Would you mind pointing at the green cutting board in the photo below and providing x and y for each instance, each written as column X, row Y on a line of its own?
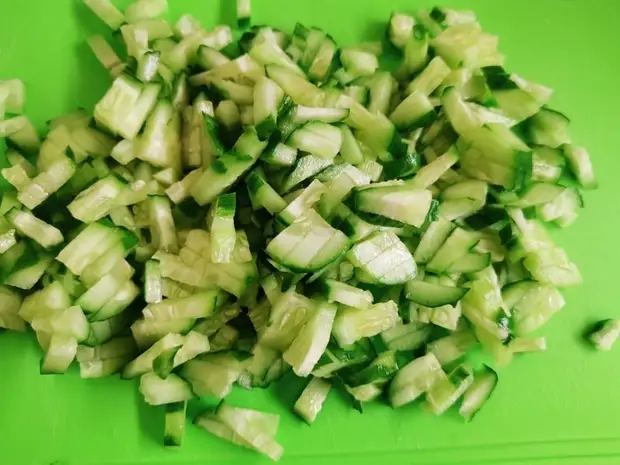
column 557, row 407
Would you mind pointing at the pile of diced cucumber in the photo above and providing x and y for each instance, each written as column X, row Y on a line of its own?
column 244, row 204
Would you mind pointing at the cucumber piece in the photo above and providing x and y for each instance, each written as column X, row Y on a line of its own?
column 446, row 391
column 268, row 101
column 124, row 108
column 158, row 391
column 353, row 324
column 10, row 303
column 406, row 336
column 452, row 347
column 470, row 263
column 102, row 368
column 345, row 294
column 29, row 225
column 414, row 379
column 116, row 348
column 548, row 164
column 431, row 173
column 304, row 168
column 158, row 144
column 433, row 295
column 414, row 112
column 213, row 374
column 288, row 315
column 174, row 426
column 148, row 332
column 581, row 165
column 384, row 258
column 605, row 334
column 548, row 127
column 338, row 188
column 106, row 288
column 397, row 201
column 528, row 344
column 200, row 305
column 311, row 341
column 107, row 12
column 311, row 400
column 59, row 354
column 7, row 240
column 144, row 362
column 96, row 202
column 223, row 236
column 16, row 176
column 478, row 392
column 225, row 170
column 195, row 344
column 163, row 233
column 320, row 139
column 69, row 322
column 126, row 294
column 531, row 304
column 152, row 282
column 304, row 202
column 56, row 175
column 430, row 78
column 457, row 245
column 308, row 245
column 262, row 193
column 254, row 428
column 400, row 29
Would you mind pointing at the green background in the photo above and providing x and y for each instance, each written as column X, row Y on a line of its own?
column 557, row 407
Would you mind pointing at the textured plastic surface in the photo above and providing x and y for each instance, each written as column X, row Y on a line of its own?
column 559, row 407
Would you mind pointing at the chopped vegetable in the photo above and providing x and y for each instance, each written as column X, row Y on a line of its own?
column 605, row 334
column 320, row 215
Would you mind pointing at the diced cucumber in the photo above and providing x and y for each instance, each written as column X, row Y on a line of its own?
column 31, row 226
column 174, row 429
column 452, row 347
column 406, row 336
column 212, row 374
column 96, row 202
column 581, row 165
column 446, row 391
column 311, row 341
column 308, row 245
column 353, row 324
column 199, row 305
column 605, row 334
column 254, row 428
column 320, row 139
column 398, row 202
column 305, row 201
column 414, row 379
column 347, row 295
column 223, row 236
column 457, row 245
column 311, row 400
column 68, row 322
column 226, row 169
column 125, row 107
column 433, row 295
column 478, row 393
column 158, row 391
column 152, row 282
column 144, row 362
column 106, row 288
column 384, row 258
column 107, row 12
column 531, row 305
column 59, row 355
